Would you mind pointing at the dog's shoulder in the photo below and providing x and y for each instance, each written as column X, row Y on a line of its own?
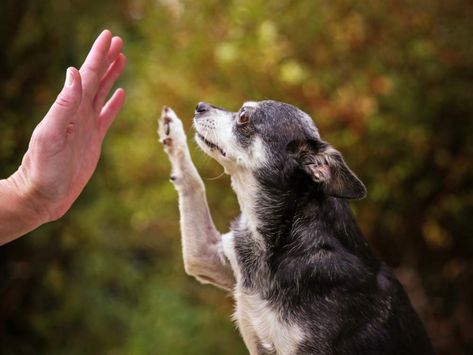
column 246, row 249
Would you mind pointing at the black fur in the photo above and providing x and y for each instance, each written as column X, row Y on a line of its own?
column 315, row 267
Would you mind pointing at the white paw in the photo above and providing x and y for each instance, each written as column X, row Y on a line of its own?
column 171, row 132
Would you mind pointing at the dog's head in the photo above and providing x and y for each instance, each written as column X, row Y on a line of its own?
column 275, row 140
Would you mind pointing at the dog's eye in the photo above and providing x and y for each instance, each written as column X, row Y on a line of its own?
column 243, row 118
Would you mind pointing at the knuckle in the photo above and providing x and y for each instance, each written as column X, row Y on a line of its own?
column 65, row 101
column 94, row 70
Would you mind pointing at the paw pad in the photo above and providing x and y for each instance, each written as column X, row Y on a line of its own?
column 167, row 141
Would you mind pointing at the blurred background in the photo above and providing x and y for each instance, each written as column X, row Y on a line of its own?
column 389, row 83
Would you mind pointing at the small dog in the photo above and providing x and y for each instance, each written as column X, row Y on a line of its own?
column 302, row 275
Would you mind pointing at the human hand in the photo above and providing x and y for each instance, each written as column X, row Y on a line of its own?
column 65, row 146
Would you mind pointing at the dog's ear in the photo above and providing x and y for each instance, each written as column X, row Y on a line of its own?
column 325, row 165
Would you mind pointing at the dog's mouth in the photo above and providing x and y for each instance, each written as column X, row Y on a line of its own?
column 211, row 145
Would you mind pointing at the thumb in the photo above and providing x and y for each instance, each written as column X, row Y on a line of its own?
column 67, row 102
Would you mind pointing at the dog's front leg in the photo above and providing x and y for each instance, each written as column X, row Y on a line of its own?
column 201, row 242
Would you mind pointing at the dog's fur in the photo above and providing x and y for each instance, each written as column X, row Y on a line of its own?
column 302, row 275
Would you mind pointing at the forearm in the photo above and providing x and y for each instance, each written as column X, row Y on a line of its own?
column 18, row 213
column 202, row 243
column 197, row 227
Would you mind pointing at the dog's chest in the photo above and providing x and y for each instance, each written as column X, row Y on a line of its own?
column 259, row 321
column 272, row 334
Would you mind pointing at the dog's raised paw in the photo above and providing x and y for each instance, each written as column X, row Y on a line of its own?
column 171, row 131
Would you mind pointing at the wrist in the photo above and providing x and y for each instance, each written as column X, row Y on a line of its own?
column 16, row 217
column 30, row 208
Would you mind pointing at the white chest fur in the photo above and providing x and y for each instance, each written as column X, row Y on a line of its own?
column 273, row 335
column 258, row 321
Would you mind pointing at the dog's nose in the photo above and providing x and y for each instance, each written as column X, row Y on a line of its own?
column 202, row 107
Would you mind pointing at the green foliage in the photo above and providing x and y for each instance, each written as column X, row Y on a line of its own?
column 388, row 83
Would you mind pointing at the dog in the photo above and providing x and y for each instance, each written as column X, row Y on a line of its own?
column 302, row 275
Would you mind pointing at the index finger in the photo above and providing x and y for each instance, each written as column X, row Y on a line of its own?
column 95, row 64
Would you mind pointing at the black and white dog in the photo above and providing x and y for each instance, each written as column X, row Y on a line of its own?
column 302, row 275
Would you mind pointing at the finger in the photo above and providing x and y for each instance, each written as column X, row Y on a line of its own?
column 113, row 73
column 115, row 49
column 63, row 110
column 110, row 110
column 95, row 64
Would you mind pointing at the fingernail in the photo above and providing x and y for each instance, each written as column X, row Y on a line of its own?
column 69, row 77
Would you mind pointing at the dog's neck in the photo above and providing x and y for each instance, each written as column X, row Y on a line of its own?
column 269, row 212
column 266, row 214
column 246, row 189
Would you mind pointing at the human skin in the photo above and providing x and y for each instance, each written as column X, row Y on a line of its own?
column 65, row 146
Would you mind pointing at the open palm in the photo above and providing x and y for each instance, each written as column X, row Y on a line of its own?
column 65, row 146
